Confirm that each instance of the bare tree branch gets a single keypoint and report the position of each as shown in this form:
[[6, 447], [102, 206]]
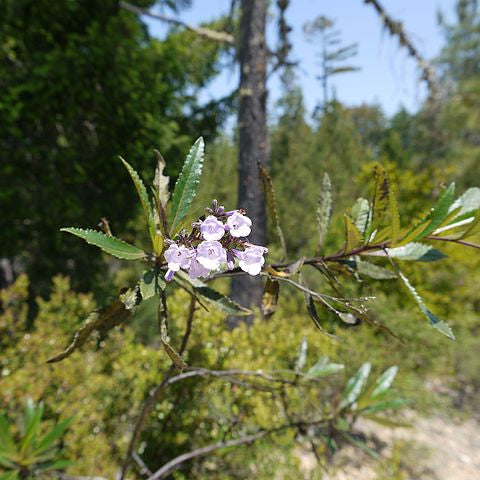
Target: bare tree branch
[[395, 28], [201, 31]]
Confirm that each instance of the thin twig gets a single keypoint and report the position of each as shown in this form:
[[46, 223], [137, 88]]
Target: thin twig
[[201, 31], [454, 240], [175, 463]]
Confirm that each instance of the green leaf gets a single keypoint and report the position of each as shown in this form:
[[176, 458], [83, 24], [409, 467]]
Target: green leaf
[[373, 271], [186, 186], [102, 320], [269, 194], [52, 436], [353, 238], [361, 444], [31, 428], [394, 215], [7, 444], [355, 386], [151, 283], [270, 297], [361, 215], [161, 181], [381, 198], [324, 210], [434, 218], [388, 422], [109, 244], [214, 298], [9, 476], [441, 326], [143, 195], [324, 369], [57, 465], [418, 252], [392, 404], [468, 202], [301, 355], [384, 381]]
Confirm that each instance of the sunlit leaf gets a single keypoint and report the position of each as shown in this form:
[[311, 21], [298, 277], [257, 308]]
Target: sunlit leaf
[[301, 359], [323, 368], [186, 186], [361, 215], [151, 283], [440, 325], [373, 271], [384, 381], [381, 197], [414, 251], [109, 244], [353, 238]]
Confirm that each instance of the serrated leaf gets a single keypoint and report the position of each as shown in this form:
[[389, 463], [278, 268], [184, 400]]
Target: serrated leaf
[[301, 359], [353, 238], [374, 271], [151, 284], [186, 186], [468, 202], [269, 194], [361, 215], [102, 320], [109, 244], [381, 197], [441, 326], [355, 386], [394, 214], [324, 210], [216, 299], [418, 252], [143, 196], [270, 297], [52, 436], [384, 381]]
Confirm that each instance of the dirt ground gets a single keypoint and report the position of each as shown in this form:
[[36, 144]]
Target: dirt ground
[[437, 448]]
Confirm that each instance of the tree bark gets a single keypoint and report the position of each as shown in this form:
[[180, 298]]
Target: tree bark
[[252, 126]]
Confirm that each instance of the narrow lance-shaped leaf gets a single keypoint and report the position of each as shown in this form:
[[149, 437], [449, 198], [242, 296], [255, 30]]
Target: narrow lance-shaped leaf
[[6, 440], [31, 428], [381, 198], [414, 251], [52, 436], [324, 368], [102, 320], [441, 326], [143, 196], [384, 381], [301, 359], [432, 220], [270, 297], [355, 386], [353, 237], [373, 271], [161, 197], [187, 183], [269, 193], [324, 210], [394, 214], [109, 244]]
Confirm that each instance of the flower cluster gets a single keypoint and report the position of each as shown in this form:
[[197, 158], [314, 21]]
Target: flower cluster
[[218, 240]]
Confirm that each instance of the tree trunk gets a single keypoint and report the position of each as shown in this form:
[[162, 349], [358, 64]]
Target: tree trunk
[[252, 125]]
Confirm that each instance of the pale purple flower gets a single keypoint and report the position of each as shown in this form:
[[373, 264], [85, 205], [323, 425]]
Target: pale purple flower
[[177, 257], [239, 225], [212, 229], [197, 269], [251, 259], [211, 254]]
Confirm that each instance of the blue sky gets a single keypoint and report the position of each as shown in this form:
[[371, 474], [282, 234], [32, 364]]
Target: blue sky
[[387, 77]]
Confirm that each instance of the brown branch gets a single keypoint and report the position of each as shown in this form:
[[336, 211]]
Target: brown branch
[[155, 392], [454, 240], [175, 463], [201, 31], [395, 28]]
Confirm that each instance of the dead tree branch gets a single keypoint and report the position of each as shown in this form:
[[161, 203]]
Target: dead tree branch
[[201, 31], [395, 28]]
